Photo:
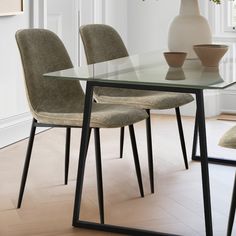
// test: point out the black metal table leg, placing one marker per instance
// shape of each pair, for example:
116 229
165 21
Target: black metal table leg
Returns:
82 159
215 160
232 210
149 149
119 229
83 151
99 174
204 162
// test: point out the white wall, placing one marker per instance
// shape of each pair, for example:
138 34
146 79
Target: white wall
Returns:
14 115
148 24
63 19
116 16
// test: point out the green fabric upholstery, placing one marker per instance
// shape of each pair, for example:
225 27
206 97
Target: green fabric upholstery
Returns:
143 99
56 101
102 43
103 116
228 140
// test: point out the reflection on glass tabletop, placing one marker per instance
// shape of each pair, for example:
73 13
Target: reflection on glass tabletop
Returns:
151 69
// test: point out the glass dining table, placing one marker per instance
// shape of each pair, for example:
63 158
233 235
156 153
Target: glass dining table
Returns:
149 71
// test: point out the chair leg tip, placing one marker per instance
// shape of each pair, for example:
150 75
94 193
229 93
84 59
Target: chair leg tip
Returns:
66 181
152 186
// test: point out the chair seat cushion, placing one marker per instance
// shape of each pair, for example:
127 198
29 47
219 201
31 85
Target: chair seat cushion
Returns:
141 98
228 140
102 116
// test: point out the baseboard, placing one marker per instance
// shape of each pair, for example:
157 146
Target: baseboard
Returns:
15 128
227 116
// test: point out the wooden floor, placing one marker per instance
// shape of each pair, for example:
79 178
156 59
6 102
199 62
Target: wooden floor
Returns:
176 207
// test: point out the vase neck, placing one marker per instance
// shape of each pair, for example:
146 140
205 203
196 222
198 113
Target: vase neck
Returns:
189 7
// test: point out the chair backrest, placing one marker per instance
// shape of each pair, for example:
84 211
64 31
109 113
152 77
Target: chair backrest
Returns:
101 43
41 52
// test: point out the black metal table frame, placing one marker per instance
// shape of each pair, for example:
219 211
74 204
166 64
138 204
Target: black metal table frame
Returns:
200 117
215 160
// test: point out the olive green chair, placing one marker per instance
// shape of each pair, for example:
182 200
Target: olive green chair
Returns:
103 43
60 103
229 141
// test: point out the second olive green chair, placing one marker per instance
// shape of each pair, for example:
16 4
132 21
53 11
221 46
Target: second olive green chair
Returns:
103 43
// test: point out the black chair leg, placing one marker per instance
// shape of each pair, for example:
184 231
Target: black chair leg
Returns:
149 148
67 154
232 210
99 173
27 162
181 135
122 134
195 138
136 160
89 134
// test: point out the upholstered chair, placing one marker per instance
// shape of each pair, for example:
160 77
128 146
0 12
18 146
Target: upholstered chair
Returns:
60 103
229 141
103 43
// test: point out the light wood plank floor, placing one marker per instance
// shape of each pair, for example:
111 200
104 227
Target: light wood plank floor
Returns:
176 206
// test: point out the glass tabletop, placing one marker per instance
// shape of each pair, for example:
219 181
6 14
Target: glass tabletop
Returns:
151 69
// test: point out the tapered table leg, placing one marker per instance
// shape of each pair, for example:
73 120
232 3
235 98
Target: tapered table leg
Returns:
204 162
83 152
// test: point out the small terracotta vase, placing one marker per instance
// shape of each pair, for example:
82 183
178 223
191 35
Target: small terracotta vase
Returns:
210 54
175 59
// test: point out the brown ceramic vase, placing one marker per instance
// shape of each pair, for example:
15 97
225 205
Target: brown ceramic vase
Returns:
175 59
210 54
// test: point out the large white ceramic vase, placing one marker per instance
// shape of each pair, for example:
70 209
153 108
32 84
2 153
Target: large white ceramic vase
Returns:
188 28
